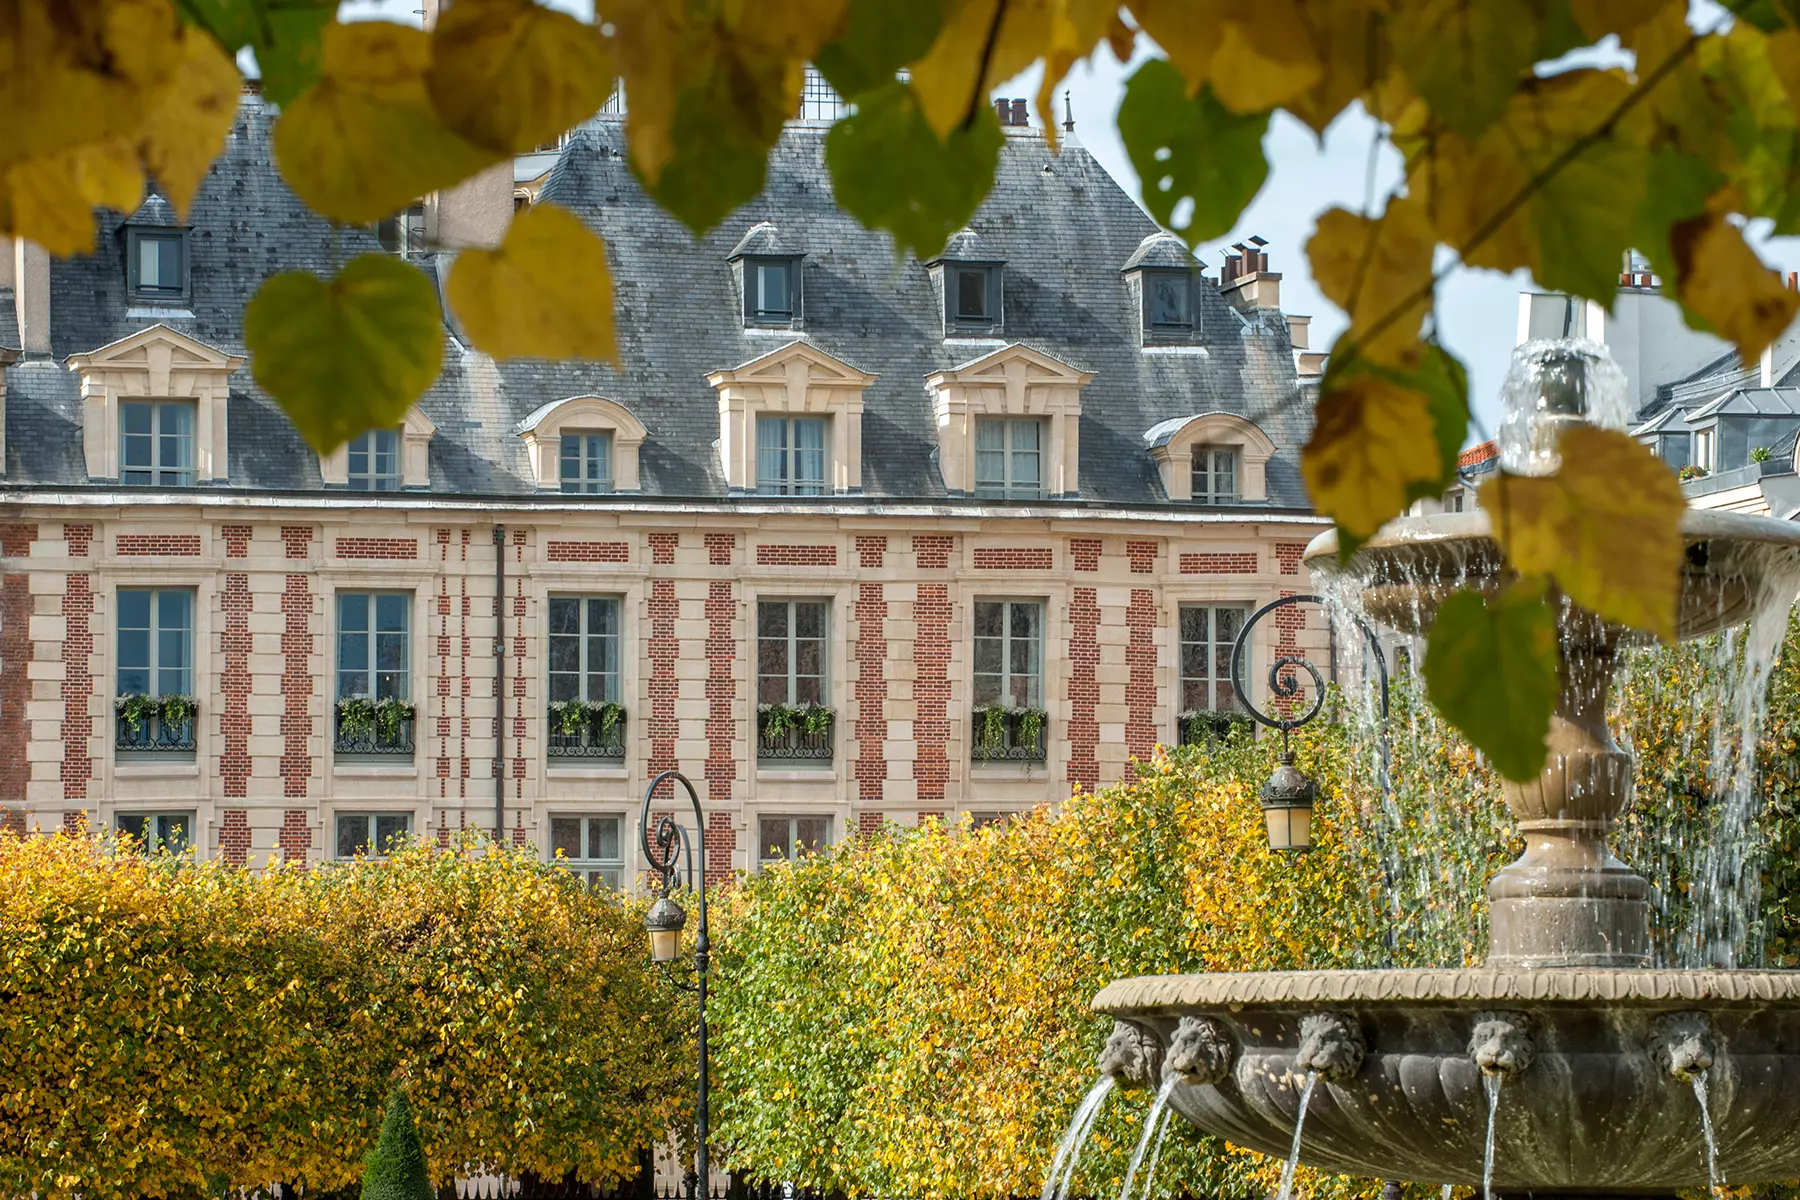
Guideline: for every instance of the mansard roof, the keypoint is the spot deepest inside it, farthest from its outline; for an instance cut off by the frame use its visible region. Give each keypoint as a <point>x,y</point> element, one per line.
<point>1059,223</point>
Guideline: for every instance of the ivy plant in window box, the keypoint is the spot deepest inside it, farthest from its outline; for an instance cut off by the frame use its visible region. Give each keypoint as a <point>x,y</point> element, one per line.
<point>178,710</point>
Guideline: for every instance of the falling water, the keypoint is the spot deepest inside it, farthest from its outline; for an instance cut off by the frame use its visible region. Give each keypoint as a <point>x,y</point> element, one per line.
<point>1448,1188</point>
<point>1287,1172</point>
<point>1155,1153</point>
<point>1712,1149</point>
<point>1492,1084</point>
<point>1152,1121</point>
<point>1068,1151</point>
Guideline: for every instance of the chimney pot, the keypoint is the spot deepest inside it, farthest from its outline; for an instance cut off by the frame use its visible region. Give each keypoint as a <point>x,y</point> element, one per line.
<point>1018,114</point>
<point>1003,110</point>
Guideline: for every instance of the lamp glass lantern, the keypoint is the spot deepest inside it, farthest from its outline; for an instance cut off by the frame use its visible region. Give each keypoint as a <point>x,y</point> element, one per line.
<point>665,921</point>
<point>1287,805</point>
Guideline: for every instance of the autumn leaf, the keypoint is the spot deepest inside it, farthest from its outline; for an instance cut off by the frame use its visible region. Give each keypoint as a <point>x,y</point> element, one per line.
<point>1597,18</point>
<point>1720,280</point>
<point>1350,41</point>
<point>186,123</point>
<point>1490,669</point>
<point>52,199</point>
<point>512,74</point>
<point>890,171</point>
<point>1465,56</point>
<point>365,141</point>
<point>346,355</point>
<point>1383,437</point>
<point>1376,270</point>
<point>284,35</point>
<point>1254,55</point>
<point>1606,527</point>
<point>1190,149</point>
<point>545,292</point>
<point>879,38</point>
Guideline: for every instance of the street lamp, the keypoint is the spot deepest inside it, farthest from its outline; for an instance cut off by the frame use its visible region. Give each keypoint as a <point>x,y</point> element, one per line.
<point>665,921</point>
<point>1287,806</point>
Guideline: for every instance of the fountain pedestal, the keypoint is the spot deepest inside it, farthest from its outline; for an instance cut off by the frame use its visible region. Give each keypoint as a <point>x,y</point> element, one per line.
<point>1567,901</point>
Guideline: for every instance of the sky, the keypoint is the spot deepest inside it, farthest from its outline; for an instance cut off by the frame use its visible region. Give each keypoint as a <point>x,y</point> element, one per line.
<point>1477,310</point>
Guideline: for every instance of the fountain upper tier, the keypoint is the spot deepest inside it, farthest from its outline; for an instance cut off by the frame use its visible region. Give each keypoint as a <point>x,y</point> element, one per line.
<point>1407,569</point>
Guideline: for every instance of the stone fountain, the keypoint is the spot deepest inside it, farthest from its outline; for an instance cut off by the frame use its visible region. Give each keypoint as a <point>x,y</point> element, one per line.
<point>1597,1048</point>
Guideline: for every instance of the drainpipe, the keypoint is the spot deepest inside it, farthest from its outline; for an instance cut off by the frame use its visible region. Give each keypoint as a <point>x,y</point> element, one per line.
<point>499,684</point>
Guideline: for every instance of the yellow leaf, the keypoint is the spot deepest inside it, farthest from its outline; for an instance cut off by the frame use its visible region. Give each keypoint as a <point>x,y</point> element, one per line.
<point>186,124</point>
<point>1465,56</point>
<point>1606,527</point>
<point>545,293</point>
<point>52,198</point>
<point>1254,53</point>
<point>1372,443</point>
<point>1719,278</point>
<point>1372,268</point>
<point>365,141</point>
<point>1597,18</point>
<point>1004,37</point>
<point>1349,39</point>
<point>511,74</point>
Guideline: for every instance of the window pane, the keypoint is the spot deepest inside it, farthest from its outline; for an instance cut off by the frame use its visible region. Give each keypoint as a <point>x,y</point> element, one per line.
<point>971,293</point>
<point>565,654</point>
<point>809,455</point>
<point>571,462</point>
<point>390,829</point>
<point>136,418</point>
<point>565,837</point>
<point>771,618</point>
<point>168,270</point>
<point>987,655</point>
<point>357,457</point>
<point>353,611</point>
<point>565,615</point>
<point>990,617</point>
<point>773,297</point>
<point>771,454</point>
<point>1169,300</point>
<point>390,612</point>
<point>173,832</point>
<point>352,836</point>
<point>149,263</point>
<point>132,824</point>
<point>1025,620</point>
<point>773,834</point>
<point>990,435</point>
<point>603,839</point>
<point>812,834</point>
<point>809,620</point>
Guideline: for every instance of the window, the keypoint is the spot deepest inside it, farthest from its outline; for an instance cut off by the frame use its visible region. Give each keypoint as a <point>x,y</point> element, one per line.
<point>156,642</point>
<point>1170,300</point>
<point>1216,475</point>
<point>373,834</point>
<point>372,650</point>
<point>1673,449</point>
<point>1453,501</point>
<point>404,232</point>
<point>769,283</point>
<point>782,839</point>
<point>1703,450</point>
<point>790,652</point>
<point>156,442</point>
<point>374,461</point>
<point>790,456</point>
<point>975,295</point>
<point>587,462</point>
<point>1208,633</point>
<point>157,263</point>
<point>584,649</point>
<point>1009,457</point>
<point>1009,653</point>
<point>170,833</point>
<point>590,847</point>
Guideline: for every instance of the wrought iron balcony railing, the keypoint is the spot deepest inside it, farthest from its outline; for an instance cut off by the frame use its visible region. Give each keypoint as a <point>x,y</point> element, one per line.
<point>1008,735</point>
<point>790,741</point>
<point>587,739</point>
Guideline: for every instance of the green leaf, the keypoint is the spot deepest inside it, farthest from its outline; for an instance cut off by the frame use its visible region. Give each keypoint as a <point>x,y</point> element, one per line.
<point>718,160</point>
<point>1676,188</point>
<point>890,171</point>
<point>283,34</point>
<point>1191,148</point>
<point>1465,56</point>
<point>879,38</point>
<point>347,355</point>
<point>1490,668</point>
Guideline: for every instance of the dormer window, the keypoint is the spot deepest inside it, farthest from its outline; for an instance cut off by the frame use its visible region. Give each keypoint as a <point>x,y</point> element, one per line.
<point>1161,277</point>
<point>969,284</point>
<point>790,423</point>
<point>1215,476</point>
<point>790,456</point>
<point>1211,458</point>
<point>768,275</point>
<point>977,298</point>
<point>156,443</point>
<point>587,462</point>
<point>372,461</point>
<point>1170,301</point>
<point>156,264</point>
<point>583,444</point>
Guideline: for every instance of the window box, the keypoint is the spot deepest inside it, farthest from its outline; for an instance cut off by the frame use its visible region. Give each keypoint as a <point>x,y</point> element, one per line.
<point>382,727</point>
<point>159,725</point>
<point>1008,734</point>
<point>583,729</point>
<point>1206,727</point>
<point>794,732</point>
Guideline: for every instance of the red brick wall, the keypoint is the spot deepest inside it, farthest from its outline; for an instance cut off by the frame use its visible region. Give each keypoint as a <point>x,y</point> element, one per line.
<point>871,692</point>
<point>1141,556</point>
<point>1013,558</point>
<point>296,675</point>
<point>1288,623</point>
<point>377,547</point>
<point>78,685</point>
<point>149,545</point>
<point>931,688</point>
<point>868,823</point>
<point>1287,556</point>
<point>663,650</point>
<point>295,539</point>
<point>600,552</point>
<point>932,550</point>
<point>719,547</point>
<point>234,685</point>
<point>662,548</point>
<point>1140,687</point>
<point>295,838</point>
<point>520,721</point>
<point>1086,553</point>
<point>237,540</point>
<point>1208,563</point>
<point>721,844</point>
<point>721,691</point>
<point>1084,689</point>
<point>796,556</point>
<point>871,549</point>
<point>234,837</point>
<point>15,658</point>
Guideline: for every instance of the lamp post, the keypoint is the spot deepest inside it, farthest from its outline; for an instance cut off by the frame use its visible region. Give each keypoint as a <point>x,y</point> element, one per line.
<point>665,922</point>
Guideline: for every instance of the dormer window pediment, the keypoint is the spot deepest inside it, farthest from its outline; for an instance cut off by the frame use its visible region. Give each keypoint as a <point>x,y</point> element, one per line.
<point>154,408</point>
<point>584,444</point>
<point>790,423</point>
<point>1211,458</point>
<point>1009,424</point>
<point>768,275</point>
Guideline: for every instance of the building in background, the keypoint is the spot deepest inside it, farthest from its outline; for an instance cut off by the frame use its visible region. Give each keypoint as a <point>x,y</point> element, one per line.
<point>846,537</point>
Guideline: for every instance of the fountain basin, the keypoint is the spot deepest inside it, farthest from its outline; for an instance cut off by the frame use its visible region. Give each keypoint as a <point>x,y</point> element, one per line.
<point>1598,1099</point>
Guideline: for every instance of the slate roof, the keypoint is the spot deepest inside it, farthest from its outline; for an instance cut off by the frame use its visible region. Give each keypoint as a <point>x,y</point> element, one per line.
<point>1751,402</point>
<point>1062,225</point>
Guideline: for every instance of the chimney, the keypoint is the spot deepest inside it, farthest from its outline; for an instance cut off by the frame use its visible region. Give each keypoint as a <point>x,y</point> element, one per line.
<point>31,296</point>
<point>1019,116</point>
<point>1003,110</point>
<point>1246,280</point>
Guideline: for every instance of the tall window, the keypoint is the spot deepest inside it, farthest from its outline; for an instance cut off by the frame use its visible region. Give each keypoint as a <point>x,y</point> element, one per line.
<point>372,651</point>
<point>1171,301</point>
<point>975,295</point>
<point>171,832</point>
<point>1216,474</point>
<point>790,456</point>
<point>1703,449</point>
<point>584,648</point>
<point>790,652</point>
<point>586,462</point>
<point>156,442</point>
<point>591,847</point>
<point>373,458</point>
<point>1208,632</point>
<point>372,834</point>
<point>1009,457</point>
<point>771,290</point>
<point>1009,653</point>
<point>158,263</point>
<point>156,642</point>
<point>783,839</point>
